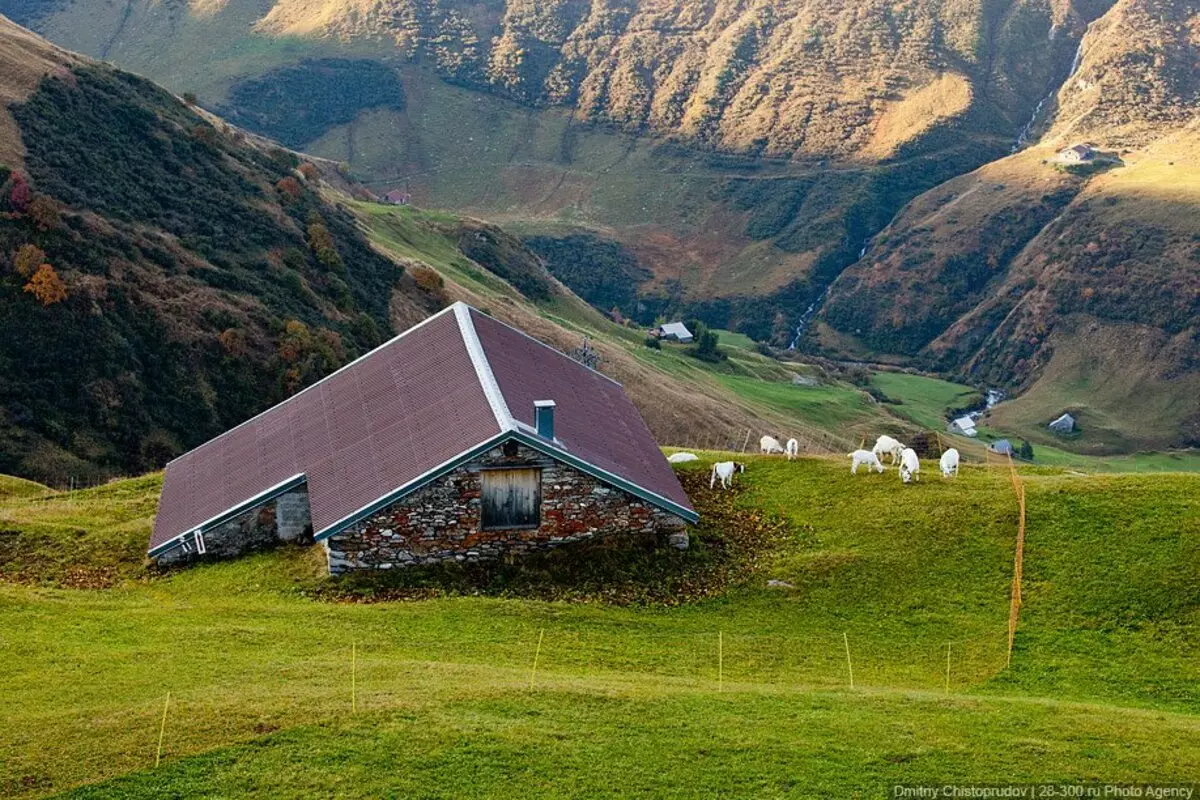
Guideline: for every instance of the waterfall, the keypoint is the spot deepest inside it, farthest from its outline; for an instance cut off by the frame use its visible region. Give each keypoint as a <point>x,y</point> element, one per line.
<point>806,318</point>
<point>1023,136</point>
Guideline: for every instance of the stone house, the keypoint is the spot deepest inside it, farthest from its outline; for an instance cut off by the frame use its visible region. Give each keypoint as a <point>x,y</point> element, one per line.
<point>1064,424</point>
<point>460,439</point>
<point>1077,154</point>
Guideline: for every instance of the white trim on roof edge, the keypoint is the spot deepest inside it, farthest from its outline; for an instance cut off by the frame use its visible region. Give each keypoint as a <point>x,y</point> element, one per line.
<point>552,449</point>
<point>235,510</point>
<point>448,310</point>
<point>388,498</point>
<point>483,369</point>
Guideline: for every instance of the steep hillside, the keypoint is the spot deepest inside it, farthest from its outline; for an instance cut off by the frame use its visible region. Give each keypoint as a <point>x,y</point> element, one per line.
<point>734,151</point>
<point>1078,285</point>
<point>160,277</point>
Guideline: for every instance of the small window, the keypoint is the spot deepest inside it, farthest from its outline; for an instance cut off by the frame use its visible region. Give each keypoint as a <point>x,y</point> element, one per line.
<point>511,498</point>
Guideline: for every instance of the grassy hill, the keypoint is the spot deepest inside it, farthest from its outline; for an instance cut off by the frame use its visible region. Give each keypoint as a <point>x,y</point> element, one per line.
<point>744,693</point>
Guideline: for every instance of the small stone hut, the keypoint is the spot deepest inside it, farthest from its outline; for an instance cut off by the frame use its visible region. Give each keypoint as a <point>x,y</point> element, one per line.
<point>461,439</point>
<point>1064,424</point>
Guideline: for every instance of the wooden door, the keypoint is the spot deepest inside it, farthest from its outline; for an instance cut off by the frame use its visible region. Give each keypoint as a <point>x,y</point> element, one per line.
<point>511,498</point>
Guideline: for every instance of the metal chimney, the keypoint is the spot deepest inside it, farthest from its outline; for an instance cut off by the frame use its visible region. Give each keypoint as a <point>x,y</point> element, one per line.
<point>543,418</point>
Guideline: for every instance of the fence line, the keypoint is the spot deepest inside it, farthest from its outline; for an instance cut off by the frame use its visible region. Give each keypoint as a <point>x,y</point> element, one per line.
<point>1014,608</point>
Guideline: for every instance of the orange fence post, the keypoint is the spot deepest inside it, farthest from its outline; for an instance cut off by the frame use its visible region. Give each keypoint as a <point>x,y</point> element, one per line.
<point>1014,609</point>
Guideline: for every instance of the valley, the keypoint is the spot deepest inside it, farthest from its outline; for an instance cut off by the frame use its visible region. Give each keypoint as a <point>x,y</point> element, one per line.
<point>789,167</point>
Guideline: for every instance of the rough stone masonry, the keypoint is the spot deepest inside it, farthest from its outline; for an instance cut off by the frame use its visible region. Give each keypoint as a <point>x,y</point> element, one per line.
<point>442,521</point>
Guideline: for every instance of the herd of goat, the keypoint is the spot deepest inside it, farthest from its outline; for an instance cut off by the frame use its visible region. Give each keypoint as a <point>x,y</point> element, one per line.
<point>885,446</point>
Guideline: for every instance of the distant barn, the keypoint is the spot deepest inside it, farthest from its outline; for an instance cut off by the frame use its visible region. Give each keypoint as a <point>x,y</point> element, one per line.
<point>675,330</point>
<point>1077,154</point>
<point>1002,446</point>
<point>461,439</point>
<point>1064,424</point>
<point>964,425</point>
<point>397,198</point>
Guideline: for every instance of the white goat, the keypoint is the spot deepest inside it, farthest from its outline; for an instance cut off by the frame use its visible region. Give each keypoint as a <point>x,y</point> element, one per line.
<point>865,457</point>
<point>950,463</point>
<point>682,458</point>
<point>724,470</point>
<point>769,445</point>
<point>792,449</point>
<point>910,465</point>
<point>887,445</point>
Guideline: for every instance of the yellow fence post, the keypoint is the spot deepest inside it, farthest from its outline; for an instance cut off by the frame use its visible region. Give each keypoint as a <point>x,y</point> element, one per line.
<point>720,661</point>
<point>537,652</point>
<point>849,665</point>
<point>947,667</point>
<point>162,730</point>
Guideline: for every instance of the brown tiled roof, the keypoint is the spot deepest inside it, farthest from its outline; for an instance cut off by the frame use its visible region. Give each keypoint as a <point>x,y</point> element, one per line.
<point>593,419</point>
<point>381,424</point>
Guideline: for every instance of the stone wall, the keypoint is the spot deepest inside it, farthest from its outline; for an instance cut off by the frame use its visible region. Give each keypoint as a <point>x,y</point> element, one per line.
<point>285,518</point>
<point>441,521</point>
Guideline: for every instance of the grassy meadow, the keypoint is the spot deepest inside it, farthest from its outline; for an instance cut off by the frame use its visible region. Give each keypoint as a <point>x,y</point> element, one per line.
<point>279,686</point>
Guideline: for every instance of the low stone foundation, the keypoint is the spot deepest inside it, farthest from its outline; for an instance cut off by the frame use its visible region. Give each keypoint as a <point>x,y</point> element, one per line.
<point>283,519</point>
<point>442,520</point>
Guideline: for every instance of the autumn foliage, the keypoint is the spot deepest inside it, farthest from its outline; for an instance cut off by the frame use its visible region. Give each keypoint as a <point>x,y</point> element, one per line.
<point>28,259</point>
<point>43,210</point>
<point>47,286</point>
<point>19,195</point>
<point>290,187</point>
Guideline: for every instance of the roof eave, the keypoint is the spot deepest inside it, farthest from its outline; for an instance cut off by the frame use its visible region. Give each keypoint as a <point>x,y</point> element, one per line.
<point>248,504</point>
<point>536,442</point>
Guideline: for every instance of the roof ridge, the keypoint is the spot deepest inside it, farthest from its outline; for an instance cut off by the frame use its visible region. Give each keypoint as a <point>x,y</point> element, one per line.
<point>483,367</point>
<point>339,370</point>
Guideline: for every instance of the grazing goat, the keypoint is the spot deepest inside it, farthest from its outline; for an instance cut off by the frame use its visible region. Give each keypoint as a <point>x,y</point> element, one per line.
<point>724,470</point>
<point>865,457</point>
<point>792,449</point>
<point>887,445</point>
<point>910,465</point>
<point>769,445</point>
<point>682,458</point>
<point>950,463</point>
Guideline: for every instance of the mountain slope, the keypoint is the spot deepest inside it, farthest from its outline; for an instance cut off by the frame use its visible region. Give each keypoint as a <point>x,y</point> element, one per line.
<point>1078,285</point>
<point>164,276</point>
<point>160,276</point>
<point>603,119</point>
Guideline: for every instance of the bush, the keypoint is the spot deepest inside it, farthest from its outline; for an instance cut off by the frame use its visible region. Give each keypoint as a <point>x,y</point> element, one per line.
<point>653,343</point>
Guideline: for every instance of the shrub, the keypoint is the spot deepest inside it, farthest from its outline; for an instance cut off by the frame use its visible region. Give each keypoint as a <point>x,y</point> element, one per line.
<point>28,259</point>
<point>290,187</point>
<point>47,286</point>
<point>43,210</point>
<point>653,343</point>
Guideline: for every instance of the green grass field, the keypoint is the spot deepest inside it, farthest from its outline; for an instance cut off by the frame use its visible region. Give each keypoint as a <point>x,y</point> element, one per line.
<point>745,693</point>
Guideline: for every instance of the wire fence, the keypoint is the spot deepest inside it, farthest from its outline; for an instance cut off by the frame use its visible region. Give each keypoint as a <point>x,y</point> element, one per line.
<point>378,674</point>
